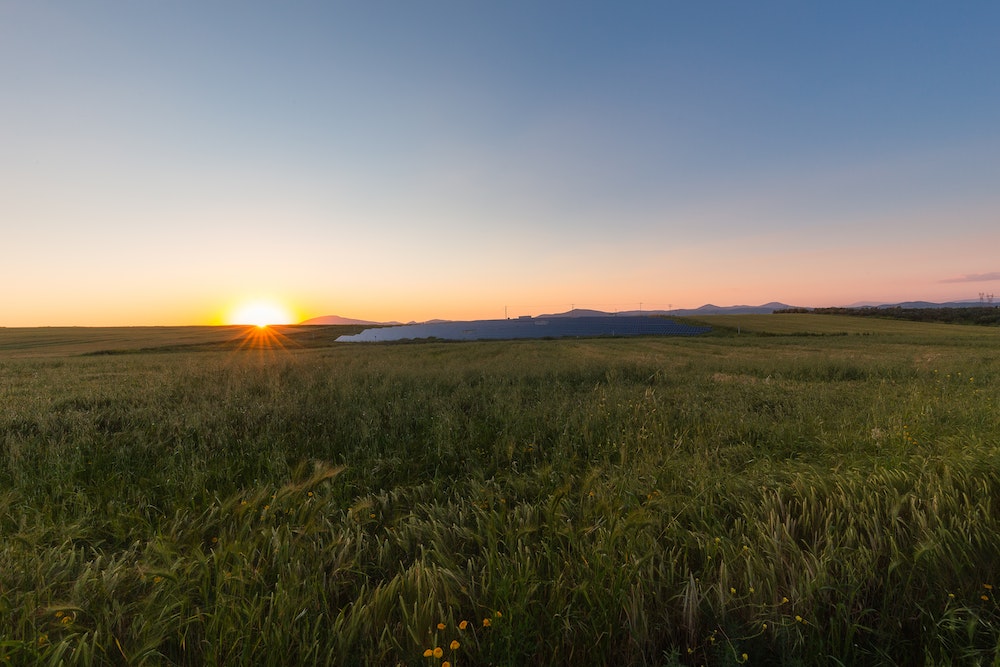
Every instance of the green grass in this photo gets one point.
(68, 341)
(819, 324)
(800, 499)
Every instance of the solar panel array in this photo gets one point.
(554, 327)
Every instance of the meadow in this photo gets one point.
(812, 490)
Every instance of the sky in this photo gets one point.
(168, 163)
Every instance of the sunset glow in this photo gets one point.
(261, 314)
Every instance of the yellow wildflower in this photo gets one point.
(428, 653)
(463, 625)
(984, 598)
(445, 664)
(486, 623)
(441, 626)
(454, 645)
(988, 587)
(438, 651)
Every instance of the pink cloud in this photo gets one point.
(974, 278)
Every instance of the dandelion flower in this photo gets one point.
(445, 664)
(428, 653)
(438, 651)
(984, 598)
(454, 645)
(463, 625)
(486, 623)
(499, 614)
(441, 626)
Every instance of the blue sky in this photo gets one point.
(166, 161)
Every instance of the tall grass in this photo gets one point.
(787, 500)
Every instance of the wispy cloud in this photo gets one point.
(974, 278)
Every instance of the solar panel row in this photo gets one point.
(561, 327)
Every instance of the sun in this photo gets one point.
(261, 314)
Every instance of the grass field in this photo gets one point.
(812, 490)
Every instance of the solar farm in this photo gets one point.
(526, 327)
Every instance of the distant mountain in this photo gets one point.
(707, 309)
(578, 312)
(928, 304)
(712, 309)
(337, 319)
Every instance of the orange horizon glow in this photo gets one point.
(260, 313)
